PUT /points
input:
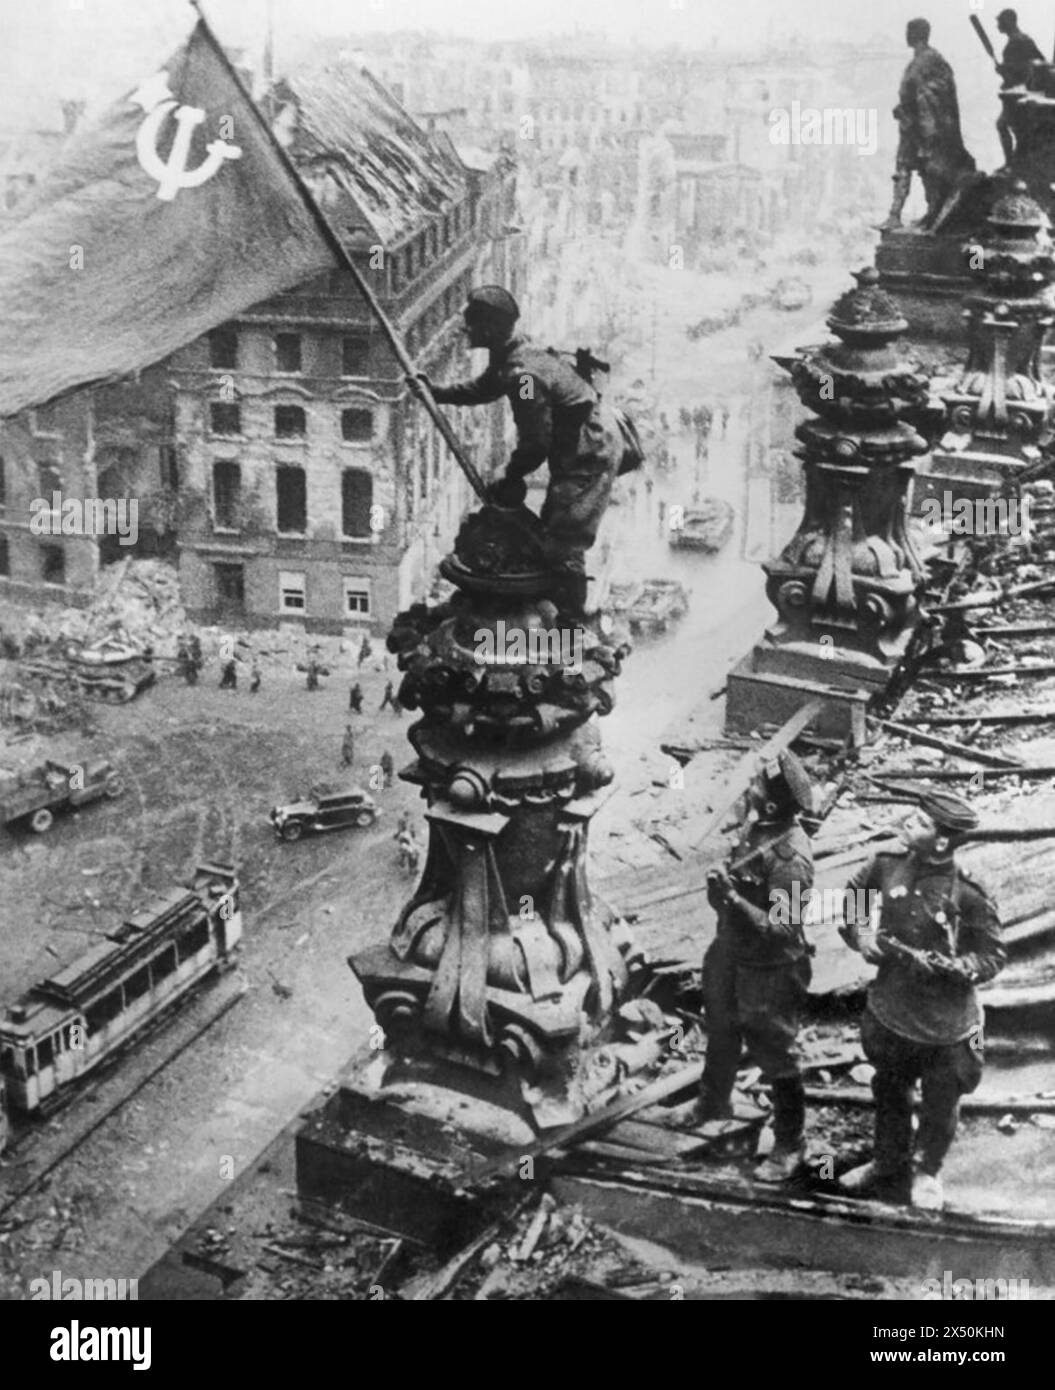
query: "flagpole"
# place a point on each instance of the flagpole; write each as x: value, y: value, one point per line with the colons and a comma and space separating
x: 336, y: 246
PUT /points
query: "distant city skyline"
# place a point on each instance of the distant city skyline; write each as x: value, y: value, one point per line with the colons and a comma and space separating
x: 96, y: 49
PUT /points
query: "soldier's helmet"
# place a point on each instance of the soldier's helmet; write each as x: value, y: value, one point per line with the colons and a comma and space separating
x: 787, y: 784
x: 951, y: 815
x: 492, y: 304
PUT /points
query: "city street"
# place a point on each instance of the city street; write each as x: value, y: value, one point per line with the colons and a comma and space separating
x: 203, y: 767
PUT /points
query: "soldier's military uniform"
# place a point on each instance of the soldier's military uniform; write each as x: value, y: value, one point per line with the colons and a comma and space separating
x: 923, y: 1021
x: 1020, y: 53
x: 757, y: 971
x: 561, y: 420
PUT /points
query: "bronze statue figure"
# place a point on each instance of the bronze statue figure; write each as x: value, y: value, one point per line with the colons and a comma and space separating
x: 930, y: 143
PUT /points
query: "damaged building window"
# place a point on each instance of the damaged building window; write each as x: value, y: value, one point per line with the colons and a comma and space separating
x: 229, y: 586
x: 356, y: 597
x: 291, y: 593
x: 5, y: 558
x: 170, y: 466
x: 290, y: 422
x: 226, y: 494
x: 3, y: 485
x: 357, y: 426
x: 354, y: 356
x: 223, y: 349
x: 225, y: 417
x: 287, y: 352
x: 49, y: 479
x: 53, y: 564
x: 357, y: 495
x: 292, y: 497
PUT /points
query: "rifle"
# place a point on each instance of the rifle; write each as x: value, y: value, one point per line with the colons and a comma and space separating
x: 984, y: 37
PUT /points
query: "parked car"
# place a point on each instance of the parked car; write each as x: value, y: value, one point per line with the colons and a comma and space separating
x: 32, y: 797
x: 325, y: 808
x: 661, y: 601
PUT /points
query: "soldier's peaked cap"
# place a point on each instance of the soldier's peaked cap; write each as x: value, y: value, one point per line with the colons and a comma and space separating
x: 787, y: 779
x: 493, y: 300
x: 948, y: 812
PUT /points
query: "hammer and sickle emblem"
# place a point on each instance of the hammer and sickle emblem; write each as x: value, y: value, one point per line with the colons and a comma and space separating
x: 173, y: 174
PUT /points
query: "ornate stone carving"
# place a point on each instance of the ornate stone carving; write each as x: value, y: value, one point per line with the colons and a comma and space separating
x: 502, y: 956
x: 998, y: 411
x: 850, y: 572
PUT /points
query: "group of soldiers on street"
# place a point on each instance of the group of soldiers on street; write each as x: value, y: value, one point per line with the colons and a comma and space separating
x: 934, y: 935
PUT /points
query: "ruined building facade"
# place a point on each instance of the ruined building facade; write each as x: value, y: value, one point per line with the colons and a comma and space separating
x: 280, y: 458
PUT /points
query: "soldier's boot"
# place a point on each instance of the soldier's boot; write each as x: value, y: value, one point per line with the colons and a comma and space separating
x: 788, y: 1155
x: 902, y: 183
x: 927, y: 1191
x: 866, y: 1177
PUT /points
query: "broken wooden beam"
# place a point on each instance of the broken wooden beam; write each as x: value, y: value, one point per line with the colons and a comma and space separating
x: 747, y: 769
x: 430, y: 1287
x: 960, y: 774
x: 991, y: 598
x: 505, y: 1165
x: 947, y: 745
x: 1018, y: 716
x: 1014, y: 630
x: 985, y: 673
x: 971, y: 1105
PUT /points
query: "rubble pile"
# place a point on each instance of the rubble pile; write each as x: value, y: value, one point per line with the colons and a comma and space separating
x: 136, y: 601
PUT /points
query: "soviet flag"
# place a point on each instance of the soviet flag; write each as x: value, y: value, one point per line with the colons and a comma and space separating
x: 169, y: 215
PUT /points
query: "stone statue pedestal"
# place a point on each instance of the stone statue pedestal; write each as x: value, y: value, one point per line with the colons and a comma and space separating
x: 845, y: 585
x: 926, y: 274
x: 398, y: 1144
x: 497, y: 993
x: 772, y: 682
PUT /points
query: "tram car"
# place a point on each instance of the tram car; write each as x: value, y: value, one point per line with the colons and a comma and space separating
x: 69, y: 1023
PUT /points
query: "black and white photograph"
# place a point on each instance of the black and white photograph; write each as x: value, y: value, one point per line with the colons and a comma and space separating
x: 527, y: 661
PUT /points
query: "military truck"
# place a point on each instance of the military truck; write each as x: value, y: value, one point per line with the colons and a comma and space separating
x: 32, y: 798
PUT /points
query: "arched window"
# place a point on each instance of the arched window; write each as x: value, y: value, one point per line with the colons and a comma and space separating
x: 357, y: 492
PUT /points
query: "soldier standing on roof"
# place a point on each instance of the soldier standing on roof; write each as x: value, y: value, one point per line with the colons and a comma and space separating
x: 935, y: 934
x: 558, y: 421
x: 1020, y: 53
x: 756, y: 973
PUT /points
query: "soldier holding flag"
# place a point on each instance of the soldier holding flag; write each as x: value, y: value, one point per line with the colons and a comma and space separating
x: 559, y: 420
